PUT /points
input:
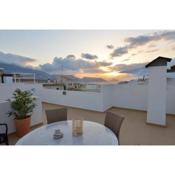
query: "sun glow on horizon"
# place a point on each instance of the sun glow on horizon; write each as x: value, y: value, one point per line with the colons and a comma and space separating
x: 109, y: 76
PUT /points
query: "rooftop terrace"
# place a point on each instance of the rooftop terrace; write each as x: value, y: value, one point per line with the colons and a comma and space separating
x: 138, y: 102
x: 134, y: 130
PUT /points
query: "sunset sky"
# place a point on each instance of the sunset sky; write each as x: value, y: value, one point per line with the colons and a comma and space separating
x: 110, y: 54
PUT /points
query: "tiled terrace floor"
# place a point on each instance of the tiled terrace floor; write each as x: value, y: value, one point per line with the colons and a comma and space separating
x: 134, y: 130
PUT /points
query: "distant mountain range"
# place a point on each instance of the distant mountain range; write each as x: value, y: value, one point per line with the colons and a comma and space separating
x: 76, y: 79
x: 13, y: 68
x: 41, y: 75
x: 138, y: 72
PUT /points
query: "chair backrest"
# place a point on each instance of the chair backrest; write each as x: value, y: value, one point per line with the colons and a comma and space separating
x: 113, y: 122
x: 55, y: 115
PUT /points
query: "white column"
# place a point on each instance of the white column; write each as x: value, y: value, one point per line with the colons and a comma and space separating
x: 157, y: 88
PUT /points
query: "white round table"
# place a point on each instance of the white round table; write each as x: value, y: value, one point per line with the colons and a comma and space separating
x: 93, y: 134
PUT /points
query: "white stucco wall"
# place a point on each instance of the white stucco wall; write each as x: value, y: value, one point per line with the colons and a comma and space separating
x: 132, y: 95
x: 107, y: 96
x: 157, y: 93
x: 78, y: 99
x: 6, y: 90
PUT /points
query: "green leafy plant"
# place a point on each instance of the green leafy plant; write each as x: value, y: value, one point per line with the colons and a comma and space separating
x: 22, y: 104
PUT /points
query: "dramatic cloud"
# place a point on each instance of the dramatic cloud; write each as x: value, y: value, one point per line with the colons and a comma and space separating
x: 129, y: 67
x: 70, y: 56
x: 140, y: 40
x: 15, y: 59
x: 88, y: 56
x: 119, y: 51
x: 110, y: 46
x: 168, y: 35
x: 135, y: 69
x: 134, y: 42
x: 71, y: 64
x: 101, y: 63
x: 93, y: 70
x: 144, y: 39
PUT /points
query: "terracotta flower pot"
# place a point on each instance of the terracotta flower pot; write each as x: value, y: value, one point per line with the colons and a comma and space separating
x: 22, y: 126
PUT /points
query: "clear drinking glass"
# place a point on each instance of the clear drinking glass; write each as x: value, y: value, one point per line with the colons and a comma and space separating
x: 77, y: 127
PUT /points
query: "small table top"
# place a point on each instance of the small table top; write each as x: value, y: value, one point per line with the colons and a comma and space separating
x: 93, y: 134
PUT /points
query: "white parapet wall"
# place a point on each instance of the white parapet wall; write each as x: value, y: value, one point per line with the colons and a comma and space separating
x: 77, y: 99
x: 107, y: 96
x: 132, y: 95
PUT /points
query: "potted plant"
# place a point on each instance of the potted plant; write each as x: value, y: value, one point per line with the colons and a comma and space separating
x: 22, y: 105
